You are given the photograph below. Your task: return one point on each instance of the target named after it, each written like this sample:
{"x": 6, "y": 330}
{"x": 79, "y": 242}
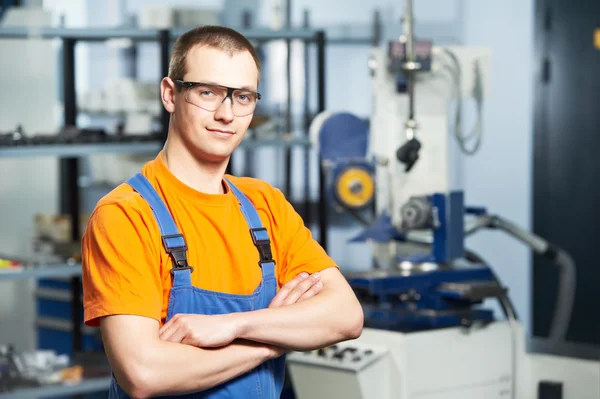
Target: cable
{"x": 477, "y": 131}
{"x": 511, "y": 316}
{"x": 507, "y": 306}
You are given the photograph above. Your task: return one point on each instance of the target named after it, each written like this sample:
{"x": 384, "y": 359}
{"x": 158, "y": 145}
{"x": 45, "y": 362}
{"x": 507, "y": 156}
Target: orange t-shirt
{"x": 127, "y": 271}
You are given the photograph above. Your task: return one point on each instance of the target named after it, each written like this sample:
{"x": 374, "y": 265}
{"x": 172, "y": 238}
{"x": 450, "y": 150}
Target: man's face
{"x": 213, "y": 135}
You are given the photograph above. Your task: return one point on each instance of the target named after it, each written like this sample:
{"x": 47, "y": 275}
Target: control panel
{"x": 350, "y": 356}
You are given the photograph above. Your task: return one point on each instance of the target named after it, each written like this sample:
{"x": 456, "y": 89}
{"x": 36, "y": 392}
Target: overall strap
{"x": 172, "y": 239}
{"x": 260, "y": 235}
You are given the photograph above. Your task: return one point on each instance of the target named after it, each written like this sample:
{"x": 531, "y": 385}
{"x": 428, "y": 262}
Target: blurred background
{"x": 381, "y": 121}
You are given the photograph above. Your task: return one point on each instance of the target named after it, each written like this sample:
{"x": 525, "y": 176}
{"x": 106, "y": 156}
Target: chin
{"x": 212, "y": 156}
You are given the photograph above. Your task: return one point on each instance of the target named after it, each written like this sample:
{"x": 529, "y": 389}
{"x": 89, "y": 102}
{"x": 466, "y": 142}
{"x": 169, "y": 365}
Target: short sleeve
{"x": 120, "y": 265}
{"x": 300, "y": 251}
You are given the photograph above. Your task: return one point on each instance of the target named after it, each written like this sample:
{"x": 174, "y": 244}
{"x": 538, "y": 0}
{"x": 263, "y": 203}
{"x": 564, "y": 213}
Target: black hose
{"x": 507, "y": 306}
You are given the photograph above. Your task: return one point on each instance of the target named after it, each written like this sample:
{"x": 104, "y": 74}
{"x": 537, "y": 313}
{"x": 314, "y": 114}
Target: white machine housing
{"x": 453, "y": 363}
{"x": 436, "y": 170}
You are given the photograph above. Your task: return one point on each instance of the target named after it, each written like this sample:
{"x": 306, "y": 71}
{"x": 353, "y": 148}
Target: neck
{"x": 200, "y": 175}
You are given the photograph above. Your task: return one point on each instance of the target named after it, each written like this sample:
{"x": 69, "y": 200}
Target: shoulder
{"x": 123, "y": 197}
{"x": 122, "y": 219}
{"x": 122, "y": 205}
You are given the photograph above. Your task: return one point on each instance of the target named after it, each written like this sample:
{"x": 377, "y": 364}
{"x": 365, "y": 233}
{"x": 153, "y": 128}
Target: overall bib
{"x": 265, "y": 381}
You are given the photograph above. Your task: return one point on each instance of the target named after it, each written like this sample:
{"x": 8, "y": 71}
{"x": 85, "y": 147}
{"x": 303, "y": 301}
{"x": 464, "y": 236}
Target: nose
{"x": 225, "y": 112}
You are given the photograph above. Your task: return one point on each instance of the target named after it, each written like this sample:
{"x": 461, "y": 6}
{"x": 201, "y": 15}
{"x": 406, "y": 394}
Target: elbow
{"x": 137, "y": 381}
{"x": 356, "y": 323}
{"x": 353, "y": 324}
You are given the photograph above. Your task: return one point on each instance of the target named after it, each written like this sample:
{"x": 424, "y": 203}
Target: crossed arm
{"x": 195, "y": 352}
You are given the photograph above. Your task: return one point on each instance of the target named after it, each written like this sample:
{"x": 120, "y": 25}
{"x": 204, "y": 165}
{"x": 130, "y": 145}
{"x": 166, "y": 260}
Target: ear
{"x": 167, "y": 94}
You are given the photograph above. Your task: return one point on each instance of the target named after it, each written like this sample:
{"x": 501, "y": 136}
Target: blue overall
{"x": 265, "y": 381}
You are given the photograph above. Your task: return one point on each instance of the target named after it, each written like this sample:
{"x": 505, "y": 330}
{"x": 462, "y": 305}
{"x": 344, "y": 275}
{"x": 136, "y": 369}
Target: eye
{"x": 244, "y": 98}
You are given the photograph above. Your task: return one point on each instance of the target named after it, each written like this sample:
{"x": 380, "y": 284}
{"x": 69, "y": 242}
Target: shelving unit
{"x": 90, "y": 385}
{"x": 41, "y": 272}
{"x": 78, "y": 150}
{"x": 70, "y": 153}
{"x": 82, "y": 150}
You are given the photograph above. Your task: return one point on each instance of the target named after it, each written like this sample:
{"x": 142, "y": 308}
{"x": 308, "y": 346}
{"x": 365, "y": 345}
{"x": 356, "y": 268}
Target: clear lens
{"x": 210, "y": 98}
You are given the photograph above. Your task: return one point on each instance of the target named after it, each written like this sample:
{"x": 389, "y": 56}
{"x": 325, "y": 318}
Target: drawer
{"x": 55, "y": 334}
{"x": 54, "y": 303}
{"x": 63, "y": 283}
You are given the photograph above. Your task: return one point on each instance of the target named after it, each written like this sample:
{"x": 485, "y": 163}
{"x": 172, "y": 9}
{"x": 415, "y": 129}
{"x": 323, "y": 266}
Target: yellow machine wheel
{"x": 354, "y": 187}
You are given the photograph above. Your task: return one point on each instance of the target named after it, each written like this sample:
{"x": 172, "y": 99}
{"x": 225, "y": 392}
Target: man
{"x": 182, "y": 264}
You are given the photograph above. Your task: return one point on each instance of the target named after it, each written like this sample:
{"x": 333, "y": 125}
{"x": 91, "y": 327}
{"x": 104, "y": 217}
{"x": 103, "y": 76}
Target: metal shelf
{"x": 267, "y": 34}
{"x": 75, "y": 150}
{"x": 38, "y": 272}
{"x": 250, "y": 142}
{"x": 101, "y": 34}
{"x": 150, "y": 147}
{"x": 86, "y": 34}
{"x": 86, "y": 386}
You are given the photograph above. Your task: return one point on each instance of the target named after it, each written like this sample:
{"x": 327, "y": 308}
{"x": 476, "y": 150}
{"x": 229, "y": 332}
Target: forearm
{"x": 169, "y": 368}
{"x": 330, "y": 317}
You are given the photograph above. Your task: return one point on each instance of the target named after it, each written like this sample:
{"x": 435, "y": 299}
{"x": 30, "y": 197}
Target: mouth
{"x": 221, "y": 133}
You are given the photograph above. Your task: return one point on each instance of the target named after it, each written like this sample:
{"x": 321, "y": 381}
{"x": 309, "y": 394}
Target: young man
{"x": 182, "y": 264}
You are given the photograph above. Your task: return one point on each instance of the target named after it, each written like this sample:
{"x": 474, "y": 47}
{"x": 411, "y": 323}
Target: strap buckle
{"x": 263, "y": 245}
{"x": 178, "y": 254}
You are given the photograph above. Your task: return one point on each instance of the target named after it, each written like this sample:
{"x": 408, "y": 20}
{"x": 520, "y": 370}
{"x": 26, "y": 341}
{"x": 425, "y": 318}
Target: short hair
{"x": 219, "y": 37}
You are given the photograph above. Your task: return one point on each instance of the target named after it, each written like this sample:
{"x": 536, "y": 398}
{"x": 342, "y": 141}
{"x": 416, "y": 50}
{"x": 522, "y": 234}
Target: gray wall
{"x": 499, "y": 177}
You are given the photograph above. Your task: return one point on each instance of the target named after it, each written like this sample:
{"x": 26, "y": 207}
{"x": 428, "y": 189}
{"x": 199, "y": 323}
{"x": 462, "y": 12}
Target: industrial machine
{"x": 430, "y": 332}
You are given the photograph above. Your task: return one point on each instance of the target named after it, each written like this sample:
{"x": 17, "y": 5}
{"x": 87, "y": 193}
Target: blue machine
{"x": 437, "y": 284}
{"x": 439, "y": 287}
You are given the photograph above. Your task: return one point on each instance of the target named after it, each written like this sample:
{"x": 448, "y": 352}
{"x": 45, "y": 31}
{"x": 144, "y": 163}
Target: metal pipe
{"x": 567, "y": 268}
{"x": 376, "y": 40}
{"x": 164, "y": 38}
{"x": 536, "y": 243}
{"x": 288, "y": 108}
{"x": 323, "y": 216}
{"x": 69, "y": 181}
{"x": 249, "y": 159}
{"x": 567, "y": 275}
{"x": 69, "y": 167}
{"x": 408, "y": 28}
{"x": 306, "y": 125}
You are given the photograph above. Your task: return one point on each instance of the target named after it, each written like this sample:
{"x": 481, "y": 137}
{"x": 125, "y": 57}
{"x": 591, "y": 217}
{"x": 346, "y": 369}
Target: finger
{"x": 166, "y": 334}
{"x": 168, "y": 324}
{"x": 301, "y": 288}
{"x": 286, "y": 289}
{"x": 165, "y": 327}
{"x": 170, "y": 328}
{"x": 312, "y": 291}
{"x": 178, "y": 335}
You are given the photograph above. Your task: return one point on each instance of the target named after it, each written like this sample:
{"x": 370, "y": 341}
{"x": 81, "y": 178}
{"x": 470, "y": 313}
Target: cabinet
{"x": 566, "y": 167}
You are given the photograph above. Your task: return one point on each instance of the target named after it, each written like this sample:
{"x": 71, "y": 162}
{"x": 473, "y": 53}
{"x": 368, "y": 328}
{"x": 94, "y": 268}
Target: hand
{"x": 302, "y": 287}
{"x": 200, "y": 330}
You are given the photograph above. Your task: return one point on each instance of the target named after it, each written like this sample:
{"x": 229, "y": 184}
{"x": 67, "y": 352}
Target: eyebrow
{"x": 249, "y": 88}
